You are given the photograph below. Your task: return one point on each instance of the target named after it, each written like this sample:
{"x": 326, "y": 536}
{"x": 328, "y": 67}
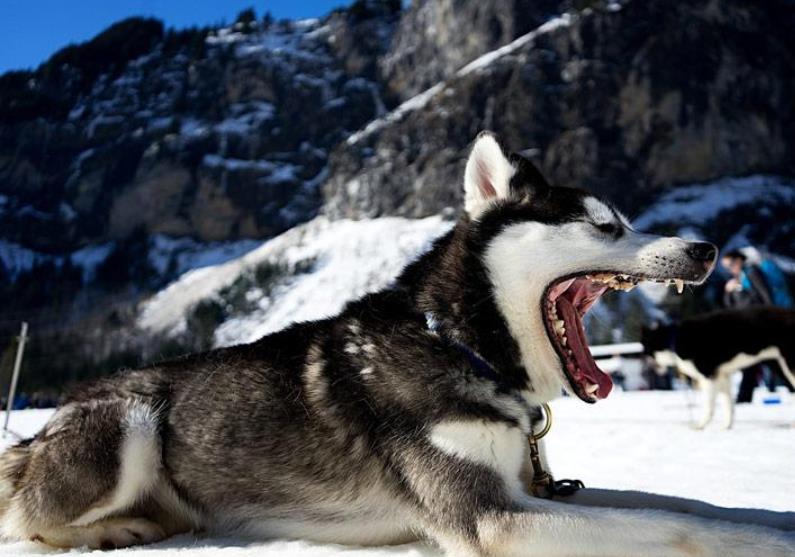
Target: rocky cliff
{"x": 626, "y": 99}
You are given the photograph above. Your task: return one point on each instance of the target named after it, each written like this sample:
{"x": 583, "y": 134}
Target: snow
{"x": 285, "y": 42}
{"x": 489, "y": 58}
{"x": 699, "y": 203}
{"x": 384, "y": 246}
{"x": 414, "y": 103}
{"x": 246, "y": 119}
{"x": 67, "y": 212}
{"x": 193, "y": 128}
{"x": 168, "y": 255}
{"x": 281, "y": 171}
{"x": 638, "y": 440}
{"x": 178, "y": 255}
{"x": 347, "y": 258}
{"x": 16, "y": 258}
{"x": 90, "y": 257}
{"x": 102, "y": 121}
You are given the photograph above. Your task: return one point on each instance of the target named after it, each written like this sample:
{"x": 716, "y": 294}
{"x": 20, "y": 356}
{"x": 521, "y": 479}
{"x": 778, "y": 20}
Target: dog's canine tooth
{"x": 680, "y": 285}
{"x": 591, "y": 389}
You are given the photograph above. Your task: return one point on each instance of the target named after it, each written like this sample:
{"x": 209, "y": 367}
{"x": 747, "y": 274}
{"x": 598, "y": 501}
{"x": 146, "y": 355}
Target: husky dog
{"x": 710, "y": 348}
{"x": 405, "y": 416}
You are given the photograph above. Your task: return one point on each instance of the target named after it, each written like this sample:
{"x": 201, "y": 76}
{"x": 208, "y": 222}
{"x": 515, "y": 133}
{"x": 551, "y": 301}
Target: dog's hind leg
{"x": 81, "y": 480}
{"x": 709, "y": 392}
{"x": 705, "y": 385}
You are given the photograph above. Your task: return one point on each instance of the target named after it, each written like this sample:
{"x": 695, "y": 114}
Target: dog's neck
{"x": 452, "y": 284}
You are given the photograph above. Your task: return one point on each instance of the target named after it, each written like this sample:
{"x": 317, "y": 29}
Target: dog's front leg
{"x": 551, "y": 529}
{"x": 472, "y": 510}
{"x": 641, "y": 500}
{"x": 725, "y": 387}
{"x": 709, "y": 394}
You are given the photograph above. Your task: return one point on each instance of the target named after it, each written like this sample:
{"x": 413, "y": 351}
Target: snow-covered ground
{"x": 638, "y": 440}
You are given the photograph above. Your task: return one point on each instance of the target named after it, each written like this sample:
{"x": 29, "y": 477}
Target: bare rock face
{"x": 623, "y": 99}
{"x": 437, "y": 37}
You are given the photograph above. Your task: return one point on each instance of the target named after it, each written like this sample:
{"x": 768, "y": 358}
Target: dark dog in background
{"x": 710, "y": 348}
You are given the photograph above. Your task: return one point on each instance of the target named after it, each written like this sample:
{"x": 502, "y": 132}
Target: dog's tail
{"x": 13, "y": 463}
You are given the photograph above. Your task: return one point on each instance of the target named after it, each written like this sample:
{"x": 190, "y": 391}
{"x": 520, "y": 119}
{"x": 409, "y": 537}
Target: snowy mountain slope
{"x": 343, "y": 260}
{"x": 615, "y": 444}
{"x": 698, "y": 204}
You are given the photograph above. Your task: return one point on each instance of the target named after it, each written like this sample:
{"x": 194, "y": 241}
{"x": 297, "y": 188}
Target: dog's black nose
{"x": 702, "y": 251}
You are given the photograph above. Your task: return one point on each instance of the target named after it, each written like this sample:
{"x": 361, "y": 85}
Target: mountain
{"x": 215, "y": 135}
{"x": 154, "y": 182}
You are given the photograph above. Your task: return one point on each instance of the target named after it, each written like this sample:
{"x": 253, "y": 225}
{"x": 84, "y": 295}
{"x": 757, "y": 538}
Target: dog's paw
{"x": 125, "y": 532}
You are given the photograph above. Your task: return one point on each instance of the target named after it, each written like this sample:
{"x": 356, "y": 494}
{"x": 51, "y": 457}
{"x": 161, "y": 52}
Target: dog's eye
{"x": 610, "y": 228}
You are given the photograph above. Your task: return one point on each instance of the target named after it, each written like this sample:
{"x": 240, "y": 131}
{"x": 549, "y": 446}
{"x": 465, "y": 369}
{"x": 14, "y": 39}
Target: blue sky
{"x": 32, "y": 30}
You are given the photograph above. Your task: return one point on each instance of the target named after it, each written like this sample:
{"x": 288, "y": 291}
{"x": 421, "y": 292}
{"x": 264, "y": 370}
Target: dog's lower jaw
{"x": 545, "y": 376}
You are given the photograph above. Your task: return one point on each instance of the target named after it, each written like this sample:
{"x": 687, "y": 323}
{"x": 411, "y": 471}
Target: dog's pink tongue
{"x": 579, "y": 347}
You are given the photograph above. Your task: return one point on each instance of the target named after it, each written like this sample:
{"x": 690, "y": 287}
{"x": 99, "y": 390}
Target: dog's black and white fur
{"x": 405, "y": 416}
{"x": 710, "y": 348}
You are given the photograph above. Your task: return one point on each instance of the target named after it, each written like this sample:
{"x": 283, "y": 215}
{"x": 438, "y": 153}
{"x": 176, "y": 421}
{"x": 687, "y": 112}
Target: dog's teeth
{"x": 591, "y": 389}
{"x": 564, "y": 341}
{"x": 680, "y": 285}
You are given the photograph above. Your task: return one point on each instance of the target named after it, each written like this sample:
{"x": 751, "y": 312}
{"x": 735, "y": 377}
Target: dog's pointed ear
{"x": 488, "y": 174}
{"x": 528, "y": 180}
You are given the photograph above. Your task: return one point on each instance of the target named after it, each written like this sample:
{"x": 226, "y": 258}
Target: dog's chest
{"x": 496, "y": 445}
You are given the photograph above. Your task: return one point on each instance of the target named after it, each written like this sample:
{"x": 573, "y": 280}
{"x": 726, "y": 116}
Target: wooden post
{"x": 22, "y": 339}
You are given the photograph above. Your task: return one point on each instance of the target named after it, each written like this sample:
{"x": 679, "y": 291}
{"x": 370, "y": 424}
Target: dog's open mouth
{"x": 566, "y": 302}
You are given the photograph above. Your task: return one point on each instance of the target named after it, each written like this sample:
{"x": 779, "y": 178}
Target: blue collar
{"x": 480, "y": 365}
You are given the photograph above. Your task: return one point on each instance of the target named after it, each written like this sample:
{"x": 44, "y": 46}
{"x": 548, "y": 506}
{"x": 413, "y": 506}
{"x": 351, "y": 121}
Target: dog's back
{"x": 714, "y": 338}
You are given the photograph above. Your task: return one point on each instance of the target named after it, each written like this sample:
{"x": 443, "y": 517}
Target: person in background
{"x": 754, "y": 281}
